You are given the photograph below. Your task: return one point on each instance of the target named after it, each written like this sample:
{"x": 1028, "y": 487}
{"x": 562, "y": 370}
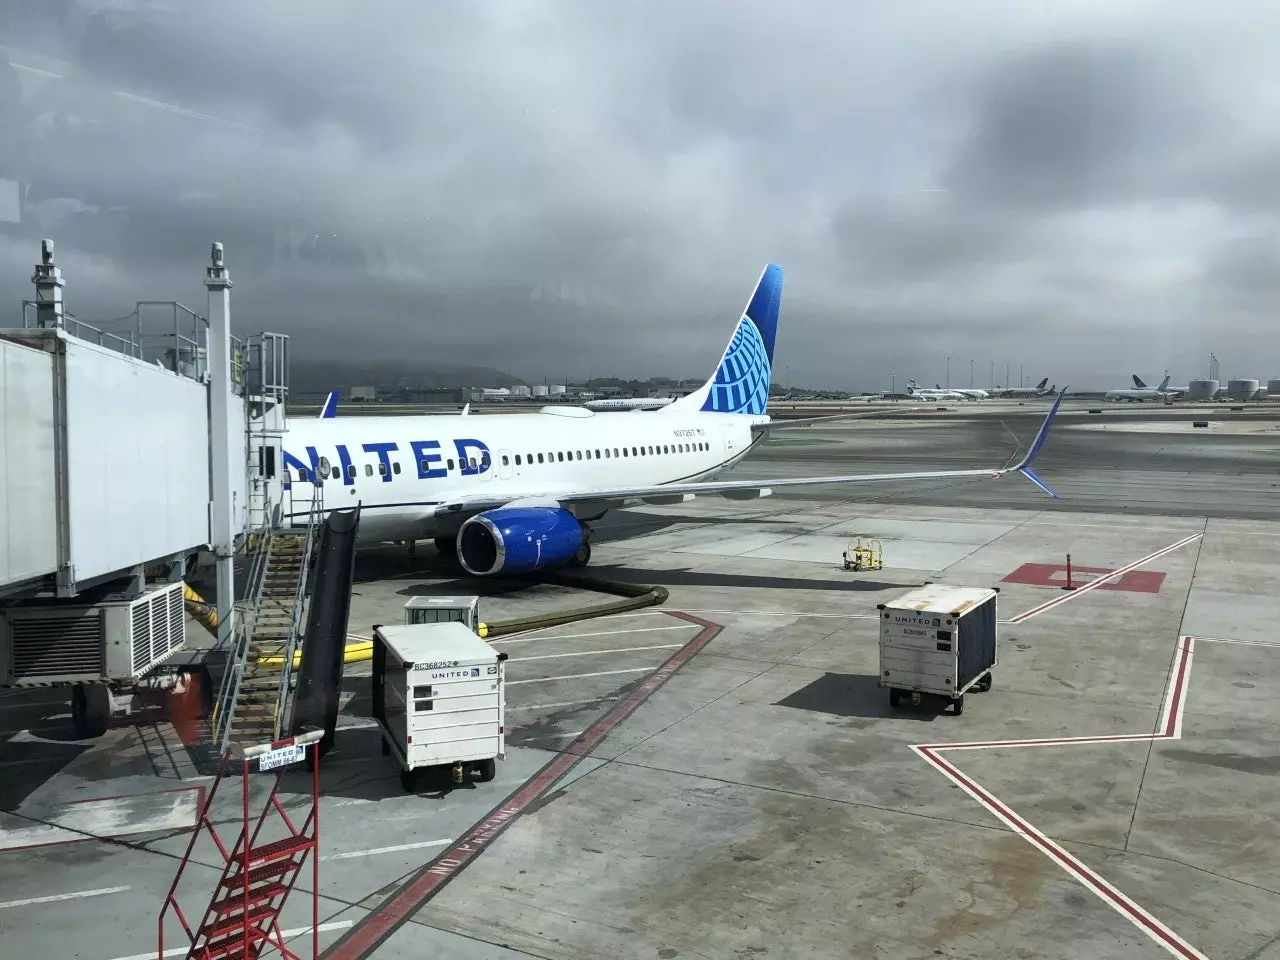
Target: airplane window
{"x": 579, "y": 454}
{"x": 302, "y": 474}
{"x": 450, "y": 463}
{"x": 606, "y": 453}
{"x": 484, "y": 460}
{"x": 382, "y": 469}
{"x": 423, "y": 466}
{"x": 588, "y": 454}
{"x": 504, "y": 459}
{"x": 597, "y": 454}
{"x": 395, "y": 468}
{"x": 368, "y": 470}
{"x": 664, "y": 449}
{"x": 473, "y": 463}
{"x": 615, "y": 452}
{"x": 539, "y": 458}
{"x": 324, "y": 466}
{"x": 336, "y": 473}
{"x": 560, "y": 457}
{"x": 351, "y": 471}
{"x": 288, "y": 475}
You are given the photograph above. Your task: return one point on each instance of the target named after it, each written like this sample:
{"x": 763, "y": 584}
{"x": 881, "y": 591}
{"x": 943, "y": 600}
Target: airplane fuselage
{"x": 402, "y": 470}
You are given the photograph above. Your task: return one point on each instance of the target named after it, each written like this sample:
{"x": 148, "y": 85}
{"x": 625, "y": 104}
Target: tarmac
{"x": 721, "y": 776}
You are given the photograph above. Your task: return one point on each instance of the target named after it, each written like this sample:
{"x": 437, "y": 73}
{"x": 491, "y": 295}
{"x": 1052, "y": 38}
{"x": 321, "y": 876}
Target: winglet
{"x": 330, "y": 408}
{"x": 1024, "y": 465}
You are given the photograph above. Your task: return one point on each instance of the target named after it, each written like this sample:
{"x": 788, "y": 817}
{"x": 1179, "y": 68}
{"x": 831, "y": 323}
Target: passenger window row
{"x": 328, "y": 470}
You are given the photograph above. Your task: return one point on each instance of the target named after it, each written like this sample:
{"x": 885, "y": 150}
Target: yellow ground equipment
{"x": 864, "y": 554}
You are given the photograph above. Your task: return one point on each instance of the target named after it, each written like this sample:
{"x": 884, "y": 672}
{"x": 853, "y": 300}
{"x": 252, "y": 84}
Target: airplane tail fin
{"x": 1137, "y": 382}
{"x": 742, "y": 378}
{"x": 1164, "y": 385}
{"x": 330, "y": 408}
{"x": 1041, "y": 384}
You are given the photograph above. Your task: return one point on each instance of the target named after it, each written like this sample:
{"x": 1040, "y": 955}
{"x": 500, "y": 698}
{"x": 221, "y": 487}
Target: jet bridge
{"x": 125, "y": 454}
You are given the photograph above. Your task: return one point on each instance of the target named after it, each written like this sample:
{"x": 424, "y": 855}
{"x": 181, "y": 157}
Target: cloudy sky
{"x": 1085, "y": 189}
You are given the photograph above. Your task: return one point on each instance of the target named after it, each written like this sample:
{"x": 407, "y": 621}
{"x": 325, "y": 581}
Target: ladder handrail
{"x": 225, "y": 706}
{"x": 299, "y": 598}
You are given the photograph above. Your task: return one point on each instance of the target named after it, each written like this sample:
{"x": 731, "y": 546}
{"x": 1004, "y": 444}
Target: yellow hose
{"x": 635, "y": 596}
{"x": 200, "y": 609}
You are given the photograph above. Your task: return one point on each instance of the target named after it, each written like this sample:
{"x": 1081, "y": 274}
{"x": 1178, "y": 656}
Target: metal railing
{"x": 178, "y": 339}
{"x": 224, "y": 708}
{"x": 315, "y": 516}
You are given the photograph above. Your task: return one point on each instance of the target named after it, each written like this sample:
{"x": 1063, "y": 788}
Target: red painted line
{"x": 371, "y": 932}
{"x": 1097, "y": 884}
{"x": 1095, "y": 584}
{"x": 1179, "y": 687}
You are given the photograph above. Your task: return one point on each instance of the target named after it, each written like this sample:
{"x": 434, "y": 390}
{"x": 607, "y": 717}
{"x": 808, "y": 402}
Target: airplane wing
{"x": 612, "y": 497}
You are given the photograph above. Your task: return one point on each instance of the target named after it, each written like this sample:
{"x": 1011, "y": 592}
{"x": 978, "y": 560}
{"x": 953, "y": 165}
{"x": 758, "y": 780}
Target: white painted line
{"x": 564, "y": 703}
{"x": 64, "y": 896}
{"x": 398, "y": 848}
{"x": 1127, "y": 908}
{"x": 287, "y": 934}
{"x": 613, "y": 618}
{"x": 774, "y": 613}
{"x": 596, "y": 653}
{"x": 1169, "y": 728}
{"x": 582, "y": 676}
{"x": 602, "y": 633}
{"x": 1104, "y": 578}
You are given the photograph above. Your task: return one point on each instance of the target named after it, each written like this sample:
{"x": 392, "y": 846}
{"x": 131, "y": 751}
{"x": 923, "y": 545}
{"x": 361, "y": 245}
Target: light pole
{"x": 948, "y": 372}
{"x": 1022, "y": 379}
{"x": 970, "y": 374}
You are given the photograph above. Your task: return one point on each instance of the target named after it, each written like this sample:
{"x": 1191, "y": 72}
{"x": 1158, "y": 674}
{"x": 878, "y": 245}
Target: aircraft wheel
{"x": 582, "y": 557}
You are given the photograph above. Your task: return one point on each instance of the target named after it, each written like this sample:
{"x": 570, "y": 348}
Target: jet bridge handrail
{"x": 314, "y": 516}
{"x": 224, "y": 707}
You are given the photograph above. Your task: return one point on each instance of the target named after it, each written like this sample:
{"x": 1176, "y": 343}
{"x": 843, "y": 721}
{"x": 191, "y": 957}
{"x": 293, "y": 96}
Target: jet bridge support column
{"x": 222, "y": 533}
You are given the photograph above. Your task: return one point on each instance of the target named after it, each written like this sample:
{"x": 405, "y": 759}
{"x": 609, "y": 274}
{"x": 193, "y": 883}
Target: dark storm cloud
{"x": 561, "y": 189}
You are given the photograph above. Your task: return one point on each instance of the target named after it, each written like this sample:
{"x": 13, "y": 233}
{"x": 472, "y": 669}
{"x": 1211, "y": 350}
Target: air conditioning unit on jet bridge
{"x": 111, "y": 640}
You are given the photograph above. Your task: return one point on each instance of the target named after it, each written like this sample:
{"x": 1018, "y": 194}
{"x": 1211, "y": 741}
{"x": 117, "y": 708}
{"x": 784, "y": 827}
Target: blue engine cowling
{"x": 518, "y": 540}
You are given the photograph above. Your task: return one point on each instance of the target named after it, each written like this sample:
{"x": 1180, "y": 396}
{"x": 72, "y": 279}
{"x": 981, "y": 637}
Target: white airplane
{"x": 917, "y": 392}
{"x": 1039, "y": 390}
{"x": 513, "y": 493}
{"x": 629, "y": 403}
{"x": 1140, "y": 392}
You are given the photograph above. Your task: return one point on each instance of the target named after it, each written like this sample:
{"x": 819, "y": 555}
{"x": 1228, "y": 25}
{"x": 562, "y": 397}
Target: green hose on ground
{"x": 635, "y": 596}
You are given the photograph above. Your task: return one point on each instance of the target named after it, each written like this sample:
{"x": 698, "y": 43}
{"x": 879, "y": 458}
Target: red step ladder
{"x": 241, "y": 919}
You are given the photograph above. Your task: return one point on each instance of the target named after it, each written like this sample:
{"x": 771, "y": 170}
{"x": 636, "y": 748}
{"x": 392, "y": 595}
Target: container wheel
{"x": 894, "y": 697}
{"x": 958, "y": 704}
{"x": 409, "y": 780}
{"x": 487, "y": 770}
{"x": 984, "y": 684}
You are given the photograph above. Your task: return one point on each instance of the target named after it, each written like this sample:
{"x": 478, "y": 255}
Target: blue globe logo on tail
{"x": 741, "y": 382}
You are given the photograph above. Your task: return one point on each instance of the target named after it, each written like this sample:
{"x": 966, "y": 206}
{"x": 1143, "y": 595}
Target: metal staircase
{"x": 253, "y": 702}
{"x": 242, "y": 917}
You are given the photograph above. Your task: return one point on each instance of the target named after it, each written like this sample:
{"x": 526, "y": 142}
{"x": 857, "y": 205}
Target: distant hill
{"x": 320, "y": 376}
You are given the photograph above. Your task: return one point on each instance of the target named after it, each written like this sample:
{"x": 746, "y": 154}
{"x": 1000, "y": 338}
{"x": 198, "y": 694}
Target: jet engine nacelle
{"x": 519, "y": 539}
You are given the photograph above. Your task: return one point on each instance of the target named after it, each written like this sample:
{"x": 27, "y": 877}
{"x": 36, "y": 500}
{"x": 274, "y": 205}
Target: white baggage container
{"x": 439, "y": 696}
{"x": 938, "y": 641}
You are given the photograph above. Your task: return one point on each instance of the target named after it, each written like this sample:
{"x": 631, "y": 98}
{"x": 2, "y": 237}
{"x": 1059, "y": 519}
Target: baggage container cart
{"x": 439, "y": 698}
{"x": 938, "y": 641}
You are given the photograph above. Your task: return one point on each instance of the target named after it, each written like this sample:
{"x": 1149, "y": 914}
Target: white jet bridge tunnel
{"x": 125, "y": 457}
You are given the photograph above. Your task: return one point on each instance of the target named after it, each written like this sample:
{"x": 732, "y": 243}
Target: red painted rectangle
{"x": 1055, "y": 575}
